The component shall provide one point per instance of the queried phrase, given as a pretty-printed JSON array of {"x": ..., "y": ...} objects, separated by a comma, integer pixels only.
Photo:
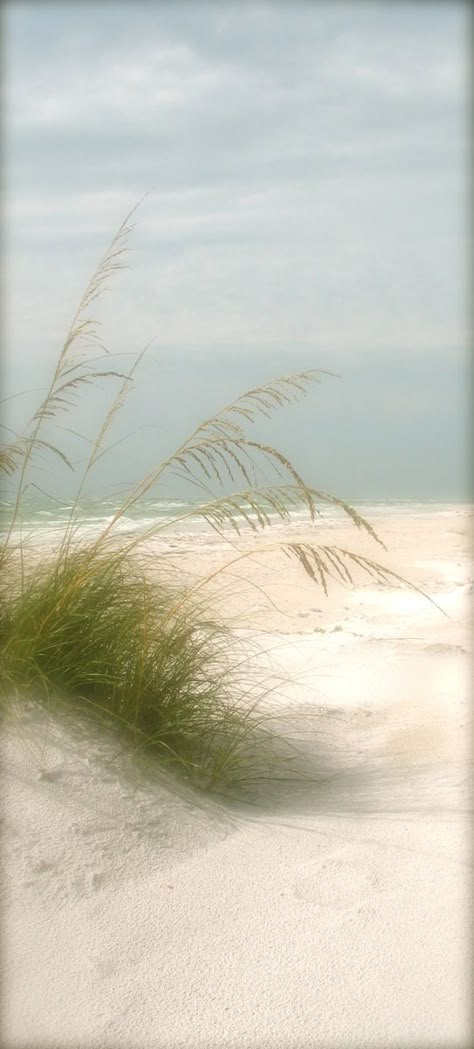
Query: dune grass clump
[
  {"x": 92, "y": 634},
  {"x": 85, "y": 626}
]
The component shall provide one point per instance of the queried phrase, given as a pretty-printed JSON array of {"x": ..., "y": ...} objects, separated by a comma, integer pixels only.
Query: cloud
[{"x": 308, "y": 168}]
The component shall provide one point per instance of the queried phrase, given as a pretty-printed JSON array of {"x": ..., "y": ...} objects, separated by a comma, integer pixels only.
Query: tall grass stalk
[{"x": 88, "y": 629}]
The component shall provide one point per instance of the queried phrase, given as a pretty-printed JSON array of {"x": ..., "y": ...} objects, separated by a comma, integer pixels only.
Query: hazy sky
[{"x": 309, "y": 186}]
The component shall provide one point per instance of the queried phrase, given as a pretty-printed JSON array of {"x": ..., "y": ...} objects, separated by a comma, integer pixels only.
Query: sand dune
[{"x": 331, "y": 913}]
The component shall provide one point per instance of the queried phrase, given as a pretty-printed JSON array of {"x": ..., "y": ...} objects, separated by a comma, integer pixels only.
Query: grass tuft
[
  {"x": 92, "y": 634},
  {"x": 88, "y": 629}
]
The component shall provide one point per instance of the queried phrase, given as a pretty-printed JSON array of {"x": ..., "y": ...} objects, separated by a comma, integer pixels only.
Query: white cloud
[
  {"x": 308, "y": 168},
  {"x": 307, "y": 171}
]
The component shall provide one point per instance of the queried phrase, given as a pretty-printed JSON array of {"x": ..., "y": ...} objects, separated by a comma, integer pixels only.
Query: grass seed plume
[{"x": 89, "y": 629}]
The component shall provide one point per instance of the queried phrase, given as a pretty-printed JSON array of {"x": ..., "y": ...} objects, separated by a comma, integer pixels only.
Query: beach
[{"x": 330, "y": 912}]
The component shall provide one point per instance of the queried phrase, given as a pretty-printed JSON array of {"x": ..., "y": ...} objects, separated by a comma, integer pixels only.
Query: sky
[{"x": 306, "y": 166}]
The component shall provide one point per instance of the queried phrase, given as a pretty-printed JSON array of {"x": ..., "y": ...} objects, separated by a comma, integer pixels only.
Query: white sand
[{"x": 333, "y": 914}]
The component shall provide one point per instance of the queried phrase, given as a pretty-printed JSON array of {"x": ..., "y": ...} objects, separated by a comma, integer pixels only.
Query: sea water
[{"x": 40, "y": 515}]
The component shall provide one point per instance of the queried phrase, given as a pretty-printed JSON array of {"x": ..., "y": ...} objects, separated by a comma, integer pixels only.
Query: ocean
[{"x": 179, "y": 516}]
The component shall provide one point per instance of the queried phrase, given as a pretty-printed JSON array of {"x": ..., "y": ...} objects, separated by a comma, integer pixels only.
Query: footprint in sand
[{"x": 338, "y": 880}]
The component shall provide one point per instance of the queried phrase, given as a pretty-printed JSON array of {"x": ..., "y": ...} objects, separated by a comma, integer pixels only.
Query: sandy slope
[{"x": 330, "y": 914}]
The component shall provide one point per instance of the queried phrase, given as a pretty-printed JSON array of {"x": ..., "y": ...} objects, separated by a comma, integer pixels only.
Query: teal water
[{"x": 39, "y": 514}]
